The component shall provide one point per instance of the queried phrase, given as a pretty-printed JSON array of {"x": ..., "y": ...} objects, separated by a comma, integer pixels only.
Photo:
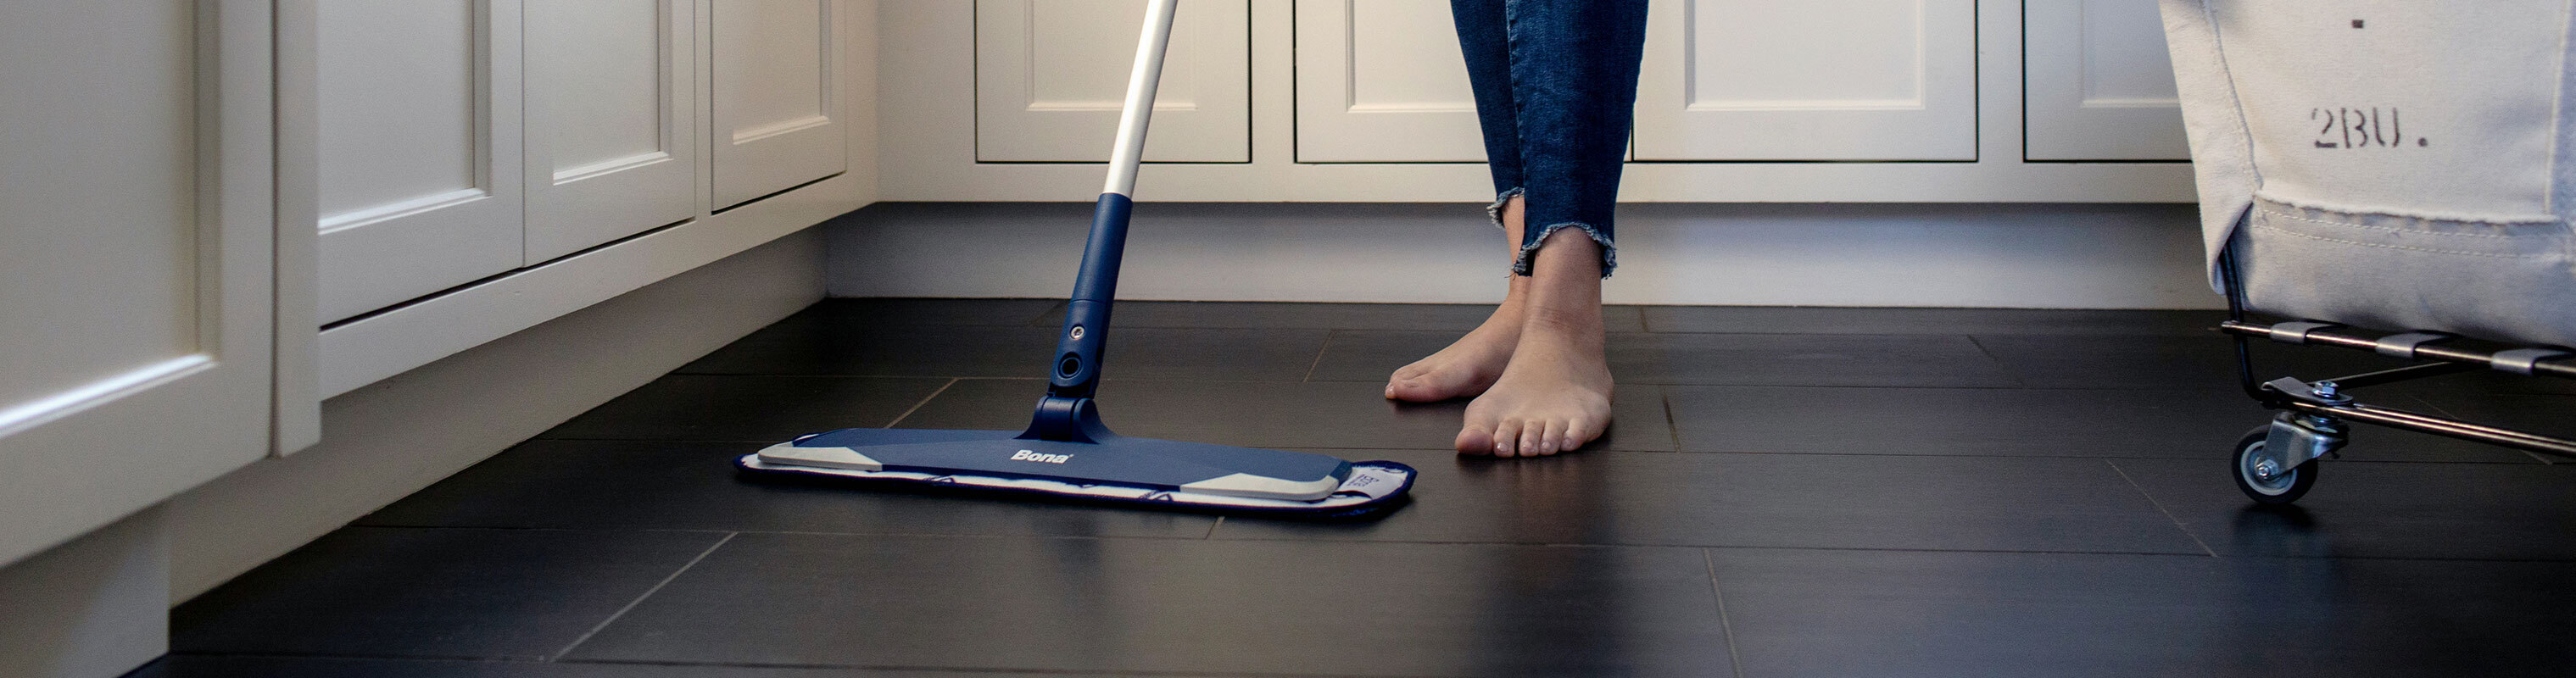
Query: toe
[
  {"x": 1405, "y": 379},
  {"x": 1476, "y": 433},
  {"x": 1581, "y": 431},
  {"x": 1476, "y": 430},
  {"x": 1533, "y": 435},
  {"x": 1553, "y": 441},
  {"x": 1423, "y": 386},
  {"x": 1419, "y": 390},
  {"x": 1476, "y": 440},
  {"x": 1507, "y": 437}
]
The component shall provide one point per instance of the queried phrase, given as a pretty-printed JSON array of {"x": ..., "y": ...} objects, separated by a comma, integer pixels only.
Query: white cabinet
[
  {"x": 482, "y": 166},
  {"x": 778, "y": 120},
  {"x": 1722, "y": 80},
  {"x": 1382, "y": 81},
  {"x": 611, "y": 107},
  {"x": 1810, "y": 80},
  {"x": 1368, "y": 100},
  {"x": 2100, "y": 84},
  {"x": 419, "y": 147},
  {"x": 135, "y": 256},
  {"x": 462, "y": 139},
  {"x": 1050, "y": 76}
]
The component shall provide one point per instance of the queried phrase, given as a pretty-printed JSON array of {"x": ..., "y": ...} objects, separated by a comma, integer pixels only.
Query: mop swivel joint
[{"x": 1072, "y": 420}]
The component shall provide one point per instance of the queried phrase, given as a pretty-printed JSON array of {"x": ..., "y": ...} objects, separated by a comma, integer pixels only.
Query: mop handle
[
  {"x": 1129, "y": 151},
  {"x": 1086, "y": 315}
]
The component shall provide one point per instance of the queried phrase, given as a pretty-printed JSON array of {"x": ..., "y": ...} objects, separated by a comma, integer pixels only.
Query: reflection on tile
[
  {"x": 218, "y": 666},
  {"x": 1890, "y": 613},
  {"x": 1140, "y": 606},
  {"x": 748, "y": 408},
  {"x": 2147, "y": 361},
  {"x": 1878, "y": 492},
  {"x": 2190, "y": 424},
  {"x": 1256, "y": 414},
  {"x": 523, "y": 594},
  {"x": 1769, "y": 500},
  {"x": 1454, "y": 318},
  {"x": 2377, "y": 510},
  {"x": 1839, "y": 320},
  {"x": 1765, "y": 359},
  {"x": 926, "y": 311},
  {"x": 1141, "y": 353},
  {"x": 659, "y": 485}
]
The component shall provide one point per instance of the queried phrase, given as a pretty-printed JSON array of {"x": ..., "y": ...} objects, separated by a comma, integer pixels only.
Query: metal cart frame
[{"x": 2276, "y": 463}]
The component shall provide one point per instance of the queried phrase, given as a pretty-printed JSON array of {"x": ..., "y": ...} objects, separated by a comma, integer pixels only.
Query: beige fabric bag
[{"x": 2394, "y": 164}]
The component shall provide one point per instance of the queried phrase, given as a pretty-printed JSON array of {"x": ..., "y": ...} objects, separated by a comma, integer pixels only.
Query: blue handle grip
[{"x": 1085, "y": 335}]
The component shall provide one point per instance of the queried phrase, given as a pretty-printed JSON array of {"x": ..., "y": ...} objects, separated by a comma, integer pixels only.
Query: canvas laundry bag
[{"x": 2392, "y": 164}]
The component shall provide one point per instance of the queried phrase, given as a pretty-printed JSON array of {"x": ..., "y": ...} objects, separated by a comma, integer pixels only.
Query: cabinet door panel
[
  {"x": 610, "y": 110},
  {"x": 1810, "y": 80},
  {"x": 2099, "y": 83},
  {"x": 135, "y": 260},
  {"x": 777, "y": 110},
  {"x": 1382, "y": 81},
  {"x": 418, "y": 147},
  {"x": 1050, "y": 76}
]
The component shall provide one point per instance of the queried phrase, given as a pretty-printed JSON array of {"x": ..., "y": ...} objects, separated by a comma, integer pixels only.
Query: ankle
[{"x": 1578, "y": 320}]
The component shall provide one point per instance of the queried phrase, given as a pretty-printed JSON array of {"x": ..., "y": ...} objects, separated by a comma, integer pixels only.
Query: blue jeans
[{"x": 1556, "y": 84}]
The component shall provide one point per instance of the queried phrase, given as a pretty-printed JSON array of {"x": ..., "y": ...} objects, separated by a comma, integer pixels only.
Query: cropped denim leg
[{"x": 1555, "y": 84}]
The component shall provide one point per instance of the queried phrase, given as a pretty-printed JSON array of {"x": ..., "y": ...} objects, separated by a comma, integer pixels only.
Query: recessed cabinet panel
[
  {"x": 1382, "y": 81},
  {"x": 777, "y": 108},
  {"x": 137, "y": 254},
  {"x": 1809, "y": 80},
  {"x": 2100, "y": 83},
  {"x": 418, "y": 144},
  {"x": 1050, "y": 76},
  {"x": 610, "y": 105}
]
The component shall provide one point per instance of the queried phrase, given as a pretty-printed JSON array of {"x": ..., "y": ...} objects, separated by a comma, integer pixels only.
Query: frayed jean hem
[
  {"x": 1494, "y": 212},
  {"x": 1529, "y": 252}
]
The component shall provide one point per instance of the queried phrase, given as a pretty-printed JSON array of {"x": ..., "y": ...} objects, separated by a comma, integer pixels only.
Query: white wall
[
  {"x": 1976, "y": 255},
  {"x": 393, "y": 437}
]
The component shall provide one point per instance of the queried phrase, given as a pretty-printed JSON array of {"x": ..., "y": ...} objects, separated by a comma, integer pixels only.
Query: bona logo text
[{"x": 1028, "y": 455}]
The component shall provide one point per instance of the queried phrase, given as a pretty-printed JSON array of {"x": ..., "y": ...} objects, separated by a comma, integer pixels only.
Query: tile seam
[{"x": 639, "y": 600}]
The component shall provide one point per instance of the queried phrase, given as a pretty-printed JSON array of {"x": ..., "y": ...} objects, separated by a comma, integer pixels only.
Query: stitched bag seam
[
  {"x": 2410, "y": 231},
  {"x": 2288, "y": 232}
]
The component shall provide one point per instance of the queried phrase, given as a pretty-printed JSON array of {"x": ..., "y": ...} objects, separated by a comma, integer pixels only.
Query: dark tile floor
[{"x": 1787, "y": 492}]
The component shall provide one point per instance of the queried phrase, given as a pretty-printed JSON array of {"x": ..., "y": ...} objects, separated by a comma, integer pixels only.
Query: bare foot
[
  {"x": 1554, "y": 396},
  {"x": 1468, "y": 366}
]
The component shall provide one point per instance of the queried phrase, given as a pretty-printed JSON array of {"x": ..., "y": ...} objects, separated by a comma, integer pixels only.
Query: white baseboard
[
  {"x": 93, "y": 607},
  {"x": 1939, "y": 255},
  {"x": 394, "y": 436},
  {"x": 388, "y": 342}
]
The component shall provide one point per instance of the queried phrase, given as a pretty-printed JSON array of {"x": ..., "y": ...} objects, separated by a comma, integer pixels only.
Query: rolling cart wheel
[{"x": 2278, "y": 489}]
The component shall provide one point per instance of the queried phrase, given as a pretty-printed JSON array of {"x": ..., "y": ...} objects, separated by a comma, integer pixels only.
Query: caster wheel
[{"x": 2277, "y": 488}]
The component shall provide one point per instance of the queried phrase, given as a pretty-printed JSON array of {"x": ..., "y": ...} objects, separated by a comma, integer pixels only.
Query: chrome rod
[{"x": 1129, "y": 152}]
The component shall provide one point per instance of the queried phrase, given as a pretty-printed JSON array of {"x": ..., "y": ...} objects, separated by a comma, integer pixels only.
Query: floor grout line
[
  {"x": 974, "y": 670},
  {"x": 925, "y": 400},
  {"x": 648, "y": 593},
  {"x": 1492, "y": 542},
  {"x": 1998, "y": 362},
  {"x": 1889, "y": 454},
  {"x": 1319, "y": 356},
  {"x": 2206, "y": 390},
  {"x": 1725, "y": 626},
  {"x": 959, "y": 670},
  {"x": 2160, "y": 507},
  {"x": 1219, "y": 522},
  {"x": 1672, "y": 422}
]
